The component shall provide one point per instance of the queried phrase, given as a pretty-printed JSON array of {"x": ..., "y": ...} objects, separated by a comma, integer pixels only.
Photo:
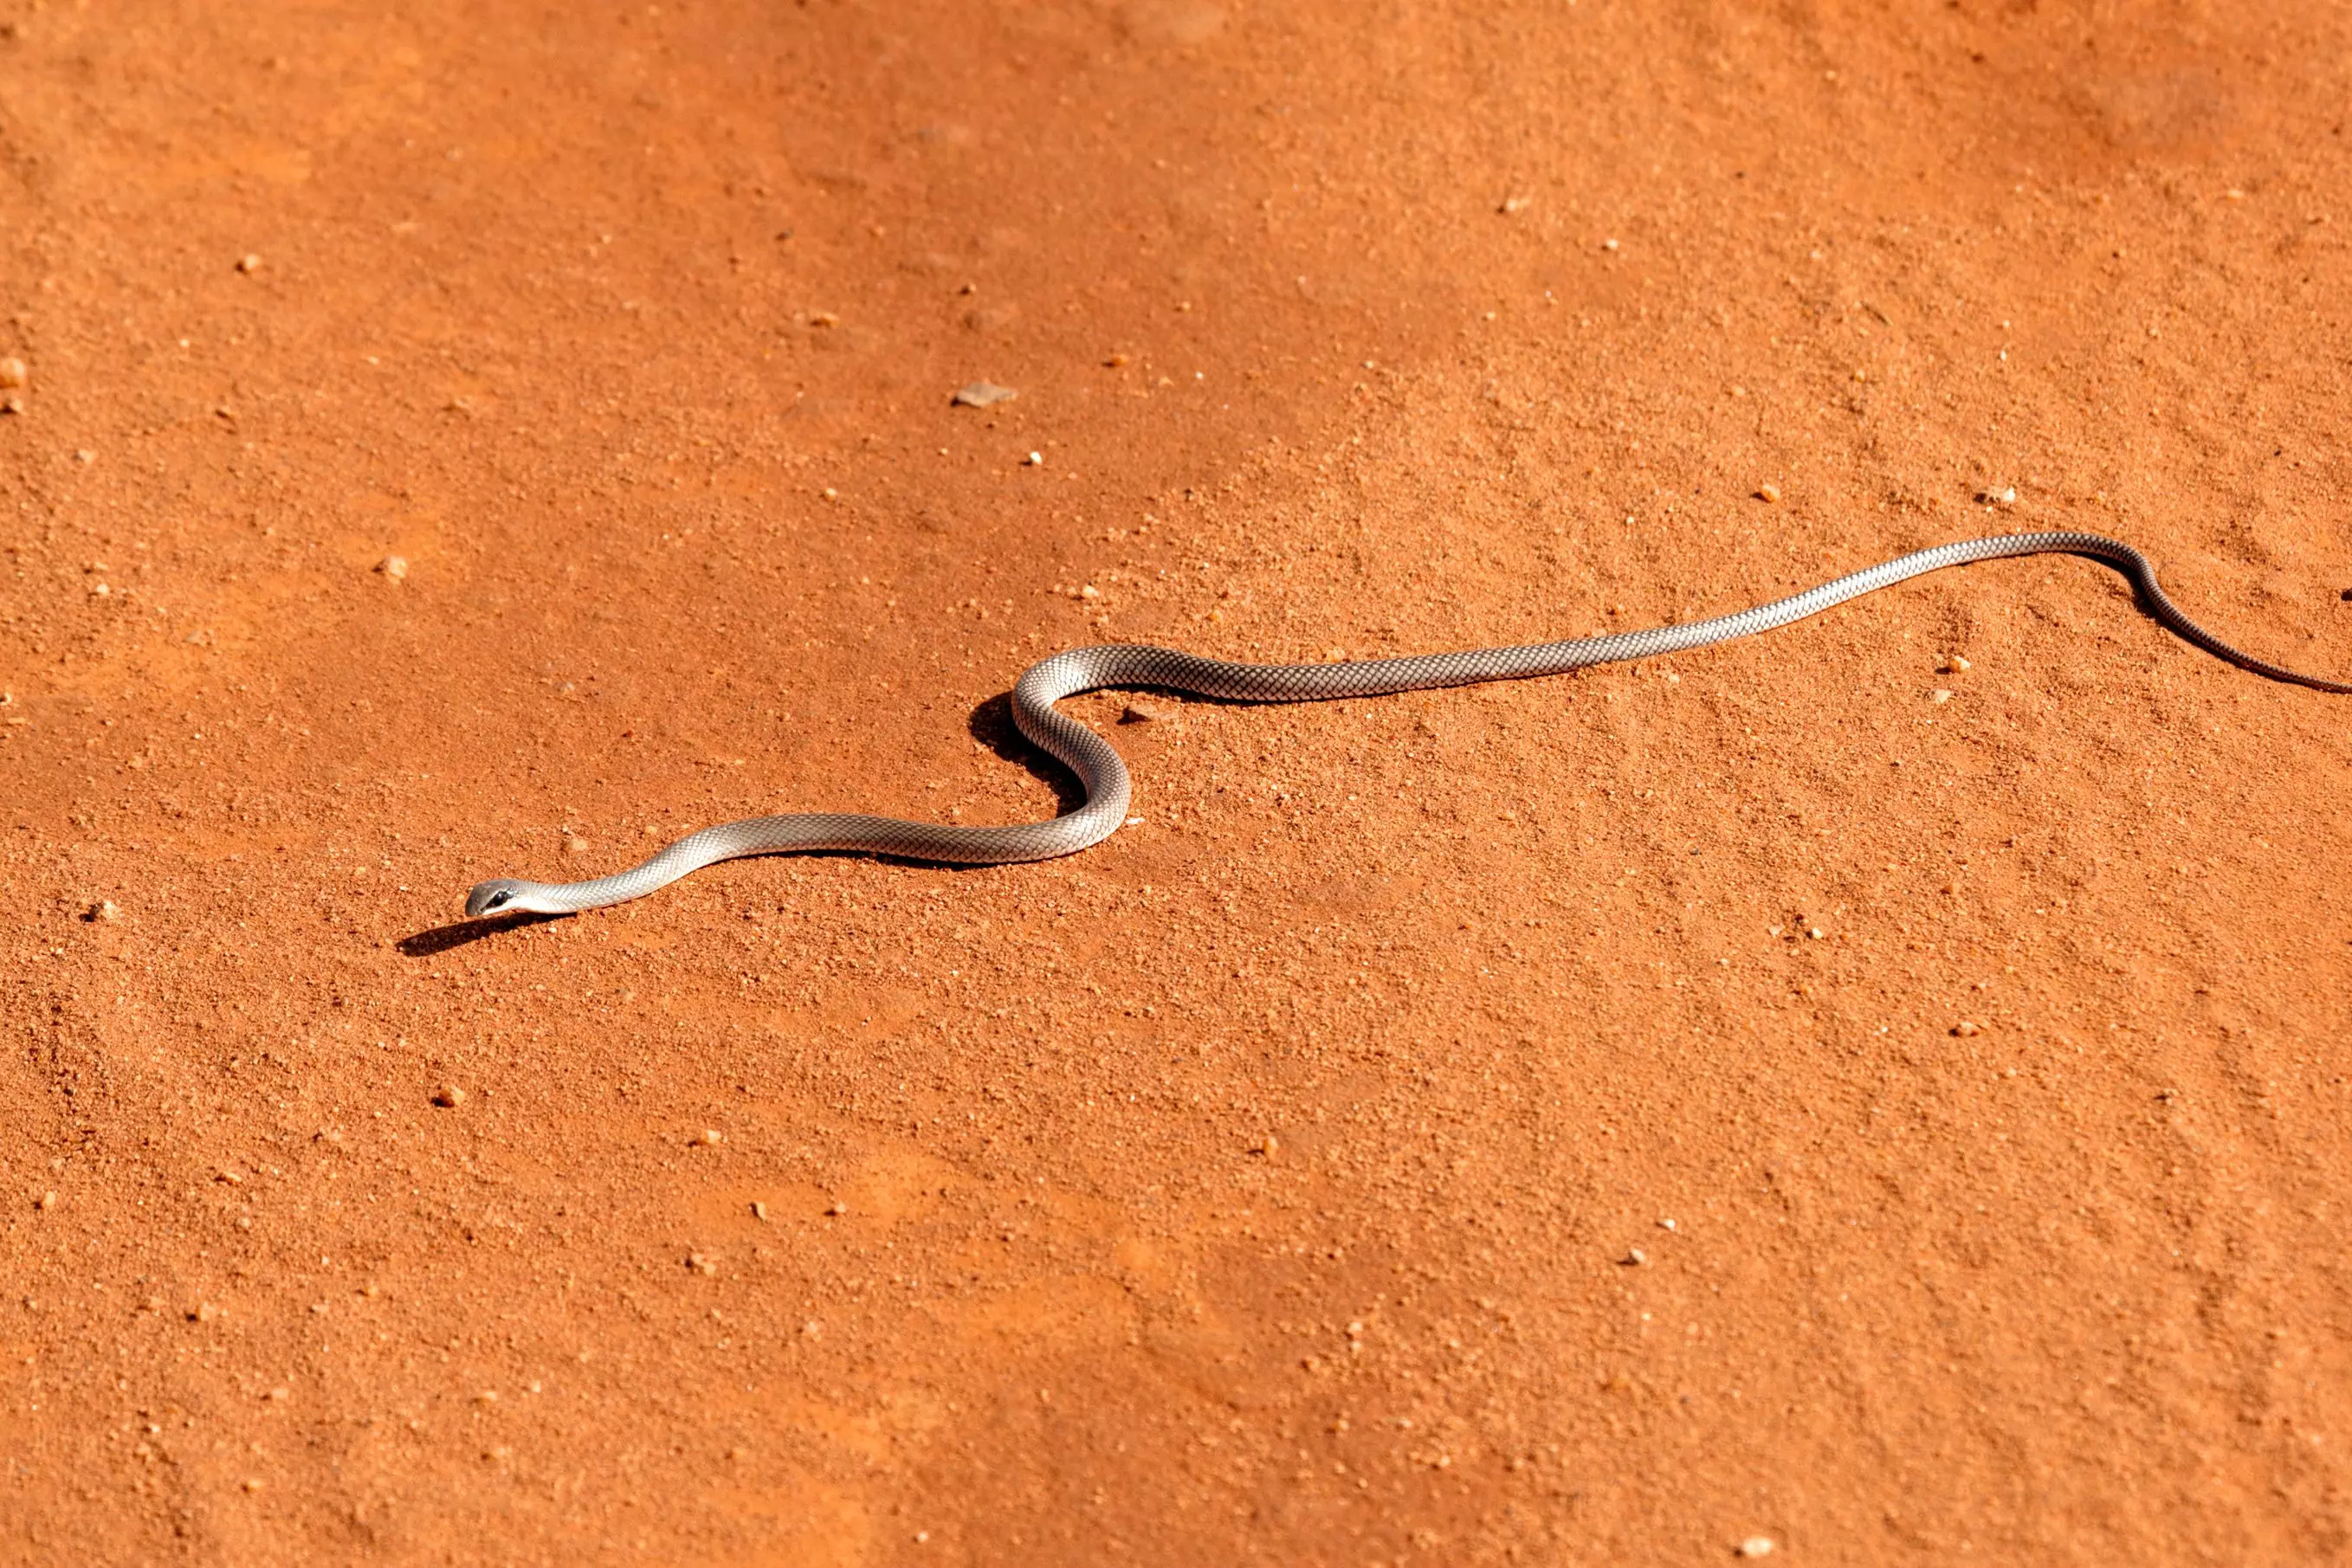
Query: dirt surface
[{"x": 1805, "y": 1090}]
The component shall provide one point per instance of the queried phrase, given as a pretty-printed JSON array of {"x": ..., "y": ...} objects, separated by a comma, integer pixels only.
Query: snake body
[{"x": 1105, "y": 777}]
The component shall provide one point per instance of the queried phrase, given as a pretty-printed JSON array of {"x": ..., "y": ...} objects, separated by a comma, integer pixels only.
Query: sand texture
[{"x": 1879, "y": 1089}]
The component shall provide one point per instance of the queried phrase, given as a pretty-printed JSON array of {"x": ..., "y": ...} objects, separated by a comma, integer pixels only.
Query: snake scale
[{"x": 1104, "y": 776}]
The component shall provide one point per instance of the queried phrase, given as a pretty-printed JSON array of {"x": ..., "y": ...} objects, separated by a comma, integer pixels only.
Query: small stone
[
  {"x": 1770, "y": 493},
  {"x": 248, "y": 263},
  {"x": 1940, "y": 694},
  {"x": 836, "y": 1209},
  {"x": 1636, "y": 1257},
  {"x": 1266, "y": 1145},
  {"x": 11, "y": 403},
  {"x": 982, "y": 394},
  {"x": 1035, "y": 460},
  {"x": 394, "y": 566},
  {"x": 1756, "y": 1546},
  {"x": 1117, "y": 362},
  {"x": 13, "y": 372},
  {"x": 449, "y": 1096},
  {"x": 711, "y": 1136},
  {"x": 824, "y": 318},
  {"x": 1817, "y": 934},
  {"x": 574, "y": 844},
  {"x": 45, "y": 1202},
  {"x": 759, "y": 1210},
  {"x": 252, "y": 1484},
  {"x": 1666, "y": 1224},
  {"x": 812, "y": 1328},
  {"x": 1965, "y": 1028},
  {"x": 203, "y": 1312},
  {"x": 1511, "y": 205},
  {"x": 1089, "y": 591},
  {"x": 1138, "y": 711},
  {"x": 1956, "y": 665},
  {"x": 105, "y": 909},
  {"x": 1609, "y": 244},
  {"x": 702, "y": 1263}
]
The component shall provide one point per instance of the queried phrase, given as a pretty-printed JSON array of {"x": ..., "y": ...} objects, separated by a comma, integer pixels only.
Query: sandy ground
[{"x": 1799, "y": 1090}]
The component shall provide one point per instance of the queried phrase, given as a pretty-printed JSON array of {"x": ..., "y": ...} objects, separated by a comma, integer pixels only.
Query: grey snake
[{"x": 1104, "y": 776}]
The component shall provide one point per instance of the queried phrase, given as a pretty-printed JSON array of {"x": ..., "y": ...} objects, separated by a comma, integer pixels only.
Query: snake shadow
[{"x": 458, "y": 934}]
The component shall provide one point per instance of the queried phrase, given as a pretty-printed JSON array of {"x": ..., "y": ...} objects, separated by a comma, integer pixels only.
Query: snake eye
[{"x": 498, "y": 898}]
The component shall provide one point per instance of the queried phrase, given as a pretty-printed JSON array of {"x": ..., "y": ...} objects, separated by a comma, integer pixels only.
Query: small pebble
[
  {"x": 1636, "y": 1257},
  {"x": 449, "y": 1096},
  {"x": 1141, "y": 712},
  {"x": 836, "y": 1207},
  {"x": 702, "y": 1263},
  {"x": 982, "y": 394},
  {"x": 1266, "y": 1145},
  {"x": 711, "y": 1136},
  {"x": 1768, "y": 493},
  {"x": 1965, "y": 1028},
  {"x": 106, "y": 909},
  {"x": 13, "y": 372},
  {"x": 759, "y": 1210},
  {"x": 1956, "y": 665},
  {"x": 1817, "y": 934},
  {"x": 1035, "y": 460},
  {"x": 48, "y": 1200},
  {"x": 1756, "y": 1546},
  {"x": 1609, "y": 244},
  {"x": 248, "y": 263},
  {"x": 394, "y": 566},
  {"x": 1942, "y": 695},
  {"x": 575, "y": 845}
]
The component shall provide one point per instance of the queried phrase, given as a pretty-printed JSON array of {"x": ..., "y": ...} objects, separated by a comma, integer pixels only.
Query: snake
[{"x": 1132, "y": 667}]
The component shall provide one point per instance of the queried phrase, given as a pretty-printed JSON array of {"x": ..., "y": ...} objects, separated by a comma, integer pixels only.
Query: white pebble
[
  {"x": 1756, "y": 1546},
  {"x": 394, "y": 566},
  {"x": 982, "y": 394}
]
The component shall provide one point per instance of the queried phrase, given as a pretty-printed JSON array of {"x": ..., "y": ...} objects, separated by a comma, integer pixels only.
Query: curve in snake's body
[{"x": 1104, "y": 776}]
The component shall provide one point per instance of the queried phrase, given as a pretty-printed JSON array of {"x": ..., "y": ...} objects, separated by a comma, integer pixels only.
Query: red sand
[{"x": 1287, "y": 1180}]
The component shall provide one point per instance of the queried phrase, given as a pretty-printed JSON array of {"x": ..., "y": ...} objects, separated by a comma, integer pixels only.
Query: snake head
[{"x": 502, "y": 896}]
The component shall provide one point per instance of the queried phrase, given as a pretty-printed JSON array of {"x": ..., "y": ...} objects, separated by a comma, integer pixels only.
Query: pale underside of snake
[{"x": 1104, "y": 776}]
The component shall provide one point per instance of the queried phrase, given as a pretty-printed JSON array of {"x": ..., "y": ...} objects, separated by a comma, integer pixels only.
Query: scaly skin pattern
[{"x": 1104, "y": 779}]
